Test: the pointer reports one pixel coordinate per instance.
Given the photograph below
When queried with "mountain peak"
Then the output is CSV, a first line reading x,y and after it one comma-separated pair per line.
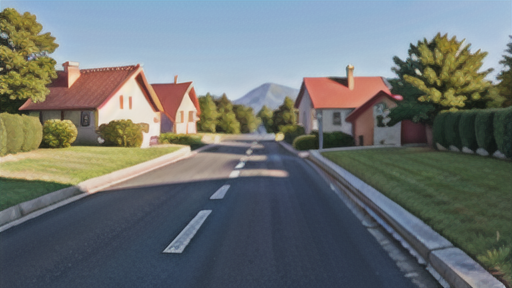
x,y
270,94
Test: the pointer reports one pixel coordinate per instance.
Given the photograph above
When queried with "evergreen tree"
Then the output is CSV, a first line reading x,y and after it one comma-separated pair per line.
x,y
208,118
226,121
25,67
245,116
505,76
284,115
265,114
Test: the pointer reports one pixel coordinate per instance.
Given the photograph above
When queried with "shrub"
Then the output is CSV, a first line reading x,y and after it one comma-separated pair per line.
x,y
58,133
291,132
467,129
123,133
183,139
484,130
14,133
3,138
338,139
33,132
451,129
502,123
438,129
305,142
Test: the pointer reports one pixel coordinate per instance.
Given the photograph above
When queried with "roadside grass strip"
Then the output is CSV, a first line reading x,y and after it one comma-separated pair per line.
x,y
465,198
220,193
179,244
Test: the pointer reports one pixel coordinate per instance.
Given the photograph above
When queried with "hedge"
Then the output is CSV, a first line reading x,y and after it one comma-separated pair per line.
x,y
3,138
502,123
451,129
438,129
183,139
291,132
123,133
15,137
337,139
305,142
467,129
484,130
33,132
58,133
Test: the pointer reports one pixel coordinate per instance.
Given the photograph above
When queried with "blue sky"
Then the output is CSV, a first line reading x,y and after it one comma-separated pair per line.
x,y
234,46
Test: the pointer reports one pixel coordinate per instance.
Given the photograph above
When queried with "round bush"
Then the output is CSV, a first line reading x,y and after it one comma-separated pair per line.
x,y
58,133
123,133
33,132
305,142
3,138
438,129
484,130
13,125
503,131
467,129
451,129
291,132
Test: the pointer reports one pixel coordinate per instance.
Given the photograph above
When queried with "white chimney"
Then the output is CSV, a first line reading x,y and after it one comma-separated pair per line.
x,y
72,70
350,77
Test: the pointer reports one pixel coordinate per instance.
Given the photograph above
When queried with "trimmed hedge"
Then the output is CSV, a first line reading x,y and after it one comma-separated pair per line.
x,y
338,139
438,130
305,142
484,130
33,132
291,132
467,129
3,138
502,123
15,137
451,130
58,133
122,133
183,139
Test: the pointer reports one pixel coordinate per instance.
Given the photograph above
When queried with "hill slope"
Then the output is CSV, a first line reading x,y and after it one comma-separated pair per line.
x,y
269,94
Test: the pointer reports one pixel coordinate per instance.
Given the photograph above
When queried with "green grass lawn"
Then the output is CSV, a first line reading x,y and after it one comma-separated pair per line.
x,y
46,170
465,198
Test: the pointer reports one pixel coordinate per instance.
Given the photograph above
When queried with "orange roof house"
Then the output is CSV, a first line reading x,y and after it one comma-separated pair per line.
x,y
91,97
180,107
326,102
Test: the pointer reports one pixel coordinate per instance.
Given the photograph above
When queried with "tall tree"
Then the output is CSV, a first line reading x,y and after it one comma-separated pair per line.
x,y
226,121
505,76
284,115
208,118
265,114
25,67
245,116
443,75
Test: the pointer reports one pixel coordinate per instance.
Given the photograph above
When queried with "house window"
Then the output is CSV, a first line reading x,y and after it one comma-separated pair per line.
x,y
130,102
121,102
85,119
336,118
190,116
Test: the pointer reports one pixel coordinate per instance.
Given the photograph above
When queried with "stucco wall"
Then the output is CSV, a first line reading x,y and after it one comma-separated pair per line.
x,y
366,126
327,121
186,127
305,108
141,111
86,135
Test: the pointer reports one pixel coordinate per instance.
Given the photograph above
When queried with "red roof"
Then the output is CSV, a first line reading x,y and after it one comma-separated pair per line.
x,y
90,90
171,95
372,101
330,93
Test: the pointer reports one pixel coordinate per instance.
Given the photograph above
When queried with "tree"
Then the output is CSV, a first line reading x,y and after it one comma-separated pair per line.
x,y
226,121
208,118
265,114
441,75
245,116
25,67
284,115
505,76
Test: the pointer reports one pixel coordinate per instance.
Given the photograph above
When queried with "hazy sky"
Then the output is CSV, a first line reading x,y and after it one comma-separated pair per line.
x,y
234,46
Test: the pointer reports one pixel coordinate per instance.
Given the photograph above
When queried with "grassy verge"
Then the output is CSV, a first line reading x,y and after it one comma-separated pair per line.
x,y
465,198
42,171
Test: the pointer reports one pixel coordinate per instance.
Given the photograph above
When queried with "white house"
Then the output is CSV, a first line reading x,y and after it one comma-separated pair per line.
x,y
91,97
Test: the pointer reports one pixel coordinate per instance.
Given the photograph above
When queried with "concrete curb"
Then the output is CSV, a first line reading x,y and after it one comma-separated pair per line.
x,y
455,266
19,213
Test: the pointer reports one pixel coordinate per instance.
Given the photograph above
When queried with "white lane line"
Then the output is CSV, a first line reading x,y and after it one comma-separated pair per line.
x,y
234,174
180,242
240,165
220,193
248,152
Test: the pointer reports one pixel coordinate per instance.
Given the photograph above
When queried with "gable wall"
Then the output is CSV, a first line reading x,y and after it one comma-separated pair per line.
x,y
186,127
305,108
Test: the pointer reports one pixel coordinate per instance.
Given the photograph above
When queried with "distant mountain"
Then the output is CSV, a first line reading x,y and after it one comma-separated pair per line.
x,y
269,94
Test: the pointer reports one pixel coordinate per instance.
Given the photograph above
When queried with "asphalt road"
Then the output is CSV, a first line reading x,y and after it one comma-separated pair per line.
x,y
278,225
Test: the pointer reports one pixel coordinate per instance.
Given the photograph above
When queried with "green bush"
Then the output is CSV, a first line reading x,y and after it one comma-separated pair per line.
x,y
305,142
182,139
338,139
484,130
451,129
502,123
58,133
123,133
291,132
14,132
33,132
467,129
438,129
3,138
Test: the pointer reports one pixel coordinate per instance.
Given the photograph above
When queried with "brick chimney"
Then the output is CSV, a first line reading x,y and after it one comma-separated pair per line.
x,y
176,79
350,77
72,70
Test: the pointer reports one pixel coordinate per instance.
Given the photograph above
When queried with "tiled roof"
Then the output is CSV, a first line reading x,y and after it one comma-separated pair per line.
x,y
373,100
90,90
171,95
333,92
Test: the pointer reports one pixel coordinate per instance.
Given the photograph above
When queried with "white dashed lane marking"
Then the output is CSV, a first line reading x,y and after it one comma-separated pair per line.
x,y
221,192
248,152
180,242
240,165
234,174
